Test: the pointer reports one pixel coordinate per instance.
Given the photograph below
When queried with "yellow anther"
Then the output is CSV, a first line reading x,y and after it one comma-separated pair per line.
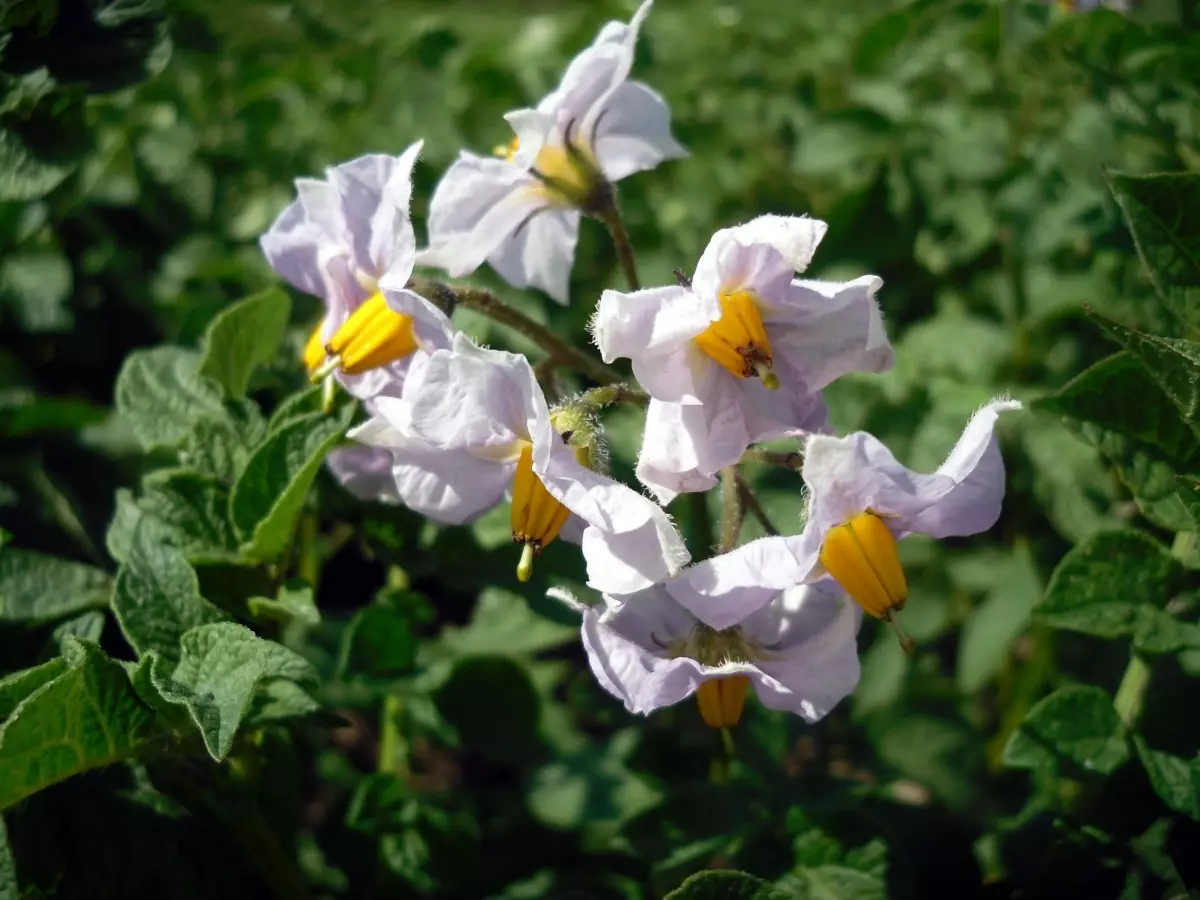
x,y
537,516
507,151
721,700
861,556
314,350
372,337
738,341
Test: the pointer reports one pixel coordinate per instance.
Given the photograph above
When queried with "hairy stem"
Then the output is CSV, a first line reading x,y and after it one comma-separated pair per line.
x,y
560,351
732,510
610,394
750,500
611,217
788,460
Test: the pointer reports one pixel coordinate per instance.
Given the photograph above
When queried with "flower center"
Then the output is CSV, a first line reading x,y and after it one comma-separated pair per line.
x,y
738,341
372,337
861,556
537,516
568,175
721,700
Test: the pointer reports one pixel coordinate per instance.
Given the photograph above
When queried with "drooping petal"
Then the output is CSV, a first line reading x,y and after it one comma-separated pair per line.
x,y
366,472
476,207
724,590
826,329
729,264
451,486
857,473
794,237
634,132
655,320
678,455
810,660
540,252
471,397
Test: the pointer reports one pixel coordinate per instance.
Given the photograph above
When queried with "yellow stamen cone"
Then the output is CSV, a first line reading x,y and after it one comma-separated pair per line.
x,y
721,700
861,556
314,350
372,337
738,340
537,517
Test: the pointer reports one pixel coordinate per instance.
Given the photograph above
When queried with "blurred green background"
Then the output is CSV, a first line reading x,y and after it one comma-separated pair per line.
x,y
957,149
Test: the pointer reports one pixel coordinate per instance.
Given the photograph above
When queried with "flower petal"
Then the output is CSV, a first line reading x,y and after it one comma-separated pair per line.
x,y
366,472
655,320
430,325
634,133
724,590
292,246
794,237
374,193
532,129
541,252
476,207
812,655
729,264
677,455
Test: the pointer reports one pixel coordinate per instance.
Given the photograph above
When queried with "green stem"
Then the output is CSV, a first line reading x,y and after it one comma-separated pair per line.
x,y
701,523
611,217
1132,691
393,749
788,460
732,511
750,500
610,394
484,301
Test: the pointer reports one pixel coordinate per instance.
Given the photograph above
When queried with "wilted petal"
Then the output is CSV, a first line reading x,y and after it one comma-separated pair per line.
x,y
724,590
634,133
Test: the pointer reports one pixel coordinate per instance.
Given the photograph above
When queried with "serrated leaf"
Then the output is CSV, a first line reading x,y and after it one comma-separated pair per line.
x,y
162,396
1117,407
221,667
87,717
270,493
35,588
1173,364
1160,212
1116,584
727,885
157,597
293,603
16,686
243,337
1076,722
1175,779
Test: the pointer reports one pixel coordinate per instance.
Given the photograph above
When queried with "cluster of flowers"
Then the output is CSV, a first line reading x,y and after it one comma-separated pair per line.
x,y
735,355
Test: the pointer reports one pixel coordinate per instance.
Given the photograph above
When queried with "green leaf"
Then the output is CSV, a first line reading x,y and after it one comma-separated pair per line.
x,y
162,396
293,603
270,493
726,885
504,624
24,174
994,625
221,668
1117,407
492,705
1160,212
1175,779
16,686
35,588
87,717
157,597
834,883
378,643
37,286
221,447
1173,364
243,337
191,507
1077,722
10,889
1116,584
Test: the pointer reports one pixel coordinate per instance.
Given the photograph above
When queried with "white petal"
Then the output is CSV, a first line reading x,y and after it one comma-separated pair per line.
x,y
476,207
676,455
366,472
532,129
634,132
323,208
795,237
430,325
374,192
653,320
541,252
292,246
726,589
729,264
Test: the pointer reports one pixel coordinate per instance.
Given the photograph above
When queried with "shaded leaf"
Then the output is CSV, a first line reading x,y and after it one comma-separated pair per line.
x,y
727,885
35,588
16,686
243,337
294,602
162,396
1175,779
1077,722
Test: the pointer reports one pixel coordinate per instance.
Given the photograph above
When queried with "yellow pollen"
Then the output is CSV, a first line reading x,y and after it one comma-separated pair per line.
x,y
861,556
721,700
537,516
372,337
314,350
738,341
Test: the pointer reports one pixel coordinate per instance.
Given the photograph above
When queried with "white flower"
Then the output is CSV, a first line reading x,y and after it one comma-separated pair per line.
x,y
739,355
472,424
520,212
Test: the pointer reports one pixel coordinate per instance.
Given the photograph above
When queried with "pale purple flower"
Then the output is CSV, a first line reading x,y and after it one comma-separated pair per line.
x,y
739,355
472,424
348,239
520,212
797,650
